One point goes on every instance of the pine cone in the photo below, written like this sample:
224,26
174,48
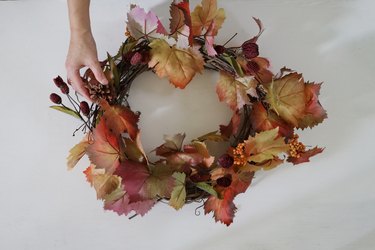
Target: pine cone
100,91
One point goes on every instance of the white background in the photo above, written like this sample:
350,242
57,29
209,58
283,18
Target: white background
326,204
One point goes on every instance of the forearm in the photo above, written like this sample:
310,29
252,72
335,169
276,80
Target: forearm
79,17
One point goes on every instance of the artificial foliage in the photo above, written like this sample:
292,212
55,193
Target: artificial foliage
268,110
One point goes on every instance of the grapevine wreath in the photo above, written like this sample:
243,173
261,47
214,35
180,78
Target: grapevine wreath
267,110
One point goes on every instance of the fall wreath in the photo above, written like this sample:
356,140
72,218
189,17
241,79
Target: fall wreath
267,110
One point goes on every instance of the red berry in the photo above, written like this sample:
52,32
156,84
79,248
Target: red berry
64,89
58,81
250,50
55,98
224,181
226,161
84,106
219,49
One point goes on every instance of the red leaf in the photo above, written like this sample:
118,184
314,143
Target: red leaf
134,176
223,207
104,151
305,156
124,207
180,16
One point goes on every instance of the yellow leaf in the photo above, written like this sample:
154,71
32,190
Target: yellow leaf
287,97
265,146
179,65
206,15
77,152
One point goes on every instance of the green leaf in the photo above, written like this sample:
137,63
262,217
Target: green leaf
208,188
212,136
66,111
114,71
236,66
178,195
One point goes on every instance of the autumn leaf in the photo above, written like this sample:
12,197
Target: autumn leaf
123,206
223,207
212,136
104,151
194,154
287,97
103,182
180,19
134,151
178,195
160,183
265,146
263,120
265,165
134,176
231,91
179,65
314,112
204,15
232,128
120,119
144,25
305,156
172,144
77,152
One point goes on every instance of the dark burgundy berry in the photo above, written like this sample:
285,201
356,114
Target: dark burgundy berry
224,181
58,81
252,68
250,50
55,98
84,106
146,57
136,59
64,89
219,49
226,161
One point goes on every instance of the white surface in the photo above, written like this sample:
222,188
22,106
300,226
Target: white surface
326,204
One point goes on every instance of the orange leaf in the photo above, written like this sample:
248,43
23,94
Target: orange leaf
179,65
205,15
305,156
104,151
120,119
231,91
314,112
263,120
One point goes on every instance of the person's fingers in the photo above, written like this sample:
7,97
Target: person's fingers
98,72
77,83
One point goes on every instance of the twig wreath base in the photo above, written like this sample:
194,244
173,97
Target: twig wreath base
268,109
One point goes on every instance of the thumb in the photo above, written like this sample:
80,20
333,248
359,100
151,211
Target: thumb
98,73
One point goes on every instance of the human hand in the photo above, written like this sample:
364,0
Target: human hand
83,53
